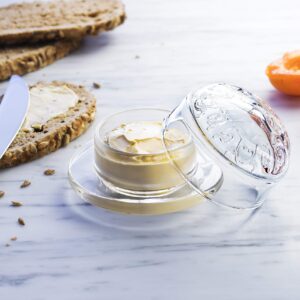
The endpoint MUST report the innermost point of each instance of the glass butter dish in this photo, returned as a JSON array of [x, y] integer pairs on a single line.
[[221, 143]]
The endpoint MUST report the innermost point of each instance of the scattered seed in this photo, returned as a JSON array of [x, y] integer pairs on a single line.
[[16, 203], [2, 194], [137, 57], [25, 184], [37, 127], [13, 238], [21, 221], [96, 85], [49, 172], [7, 245]]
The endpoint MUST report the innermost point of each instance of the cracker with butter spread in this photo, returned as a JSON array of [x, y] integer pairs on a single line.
[[63, 111]]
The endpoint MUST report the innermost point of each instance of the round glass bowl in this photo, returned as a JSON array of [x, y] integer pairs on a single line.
[[89, 186], [140, 175]]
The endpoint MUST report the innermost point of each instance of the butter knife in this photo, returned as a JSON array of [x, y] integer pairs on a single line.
[[14, 105]]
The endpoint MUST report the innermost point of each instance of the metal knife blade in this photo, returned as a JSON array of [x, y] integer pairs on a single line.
[[13, 108]]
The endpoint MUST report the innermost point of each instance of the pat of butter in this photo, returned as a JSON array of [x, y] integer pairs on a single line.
[[140, 165], [144, 138], [48, 102]]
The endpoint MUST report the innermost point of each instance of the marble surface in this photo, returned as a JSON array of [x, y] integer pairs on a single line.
[[69, 250]]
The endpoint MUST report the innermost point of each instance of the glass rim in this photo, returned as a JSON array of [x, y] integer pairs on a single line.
[[100, 141]]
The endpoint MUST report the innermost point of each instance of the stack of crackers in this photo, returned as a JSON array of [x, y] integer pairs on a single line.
[[35, 34]]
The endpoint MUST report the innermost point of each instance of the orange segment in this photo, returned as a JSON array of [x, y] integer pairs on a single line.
[[291, 60], [284, 74]]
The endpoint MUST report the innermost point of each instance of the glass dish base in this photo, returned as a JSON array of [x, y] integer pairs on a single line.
[[138, 194], [87, 184]]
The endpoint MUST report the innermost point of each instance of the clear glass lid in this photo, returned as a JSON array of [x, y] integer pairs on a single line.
[[239, 142]]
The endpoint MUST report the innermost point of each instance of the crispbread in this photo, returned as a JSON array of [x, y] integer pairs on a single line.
[[24, 59], [57, 132], [58, 19]]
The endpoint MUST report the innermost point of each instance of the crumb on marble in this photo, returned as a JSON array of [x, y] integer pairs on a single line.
[[21, 221], [25, 183], [13, 238], [16, 203], [49, 172], [2, 194], [96, 85]]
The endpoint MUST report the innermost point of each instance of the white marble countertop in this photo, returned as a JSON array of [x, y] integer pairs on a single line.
[[69, 250]]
